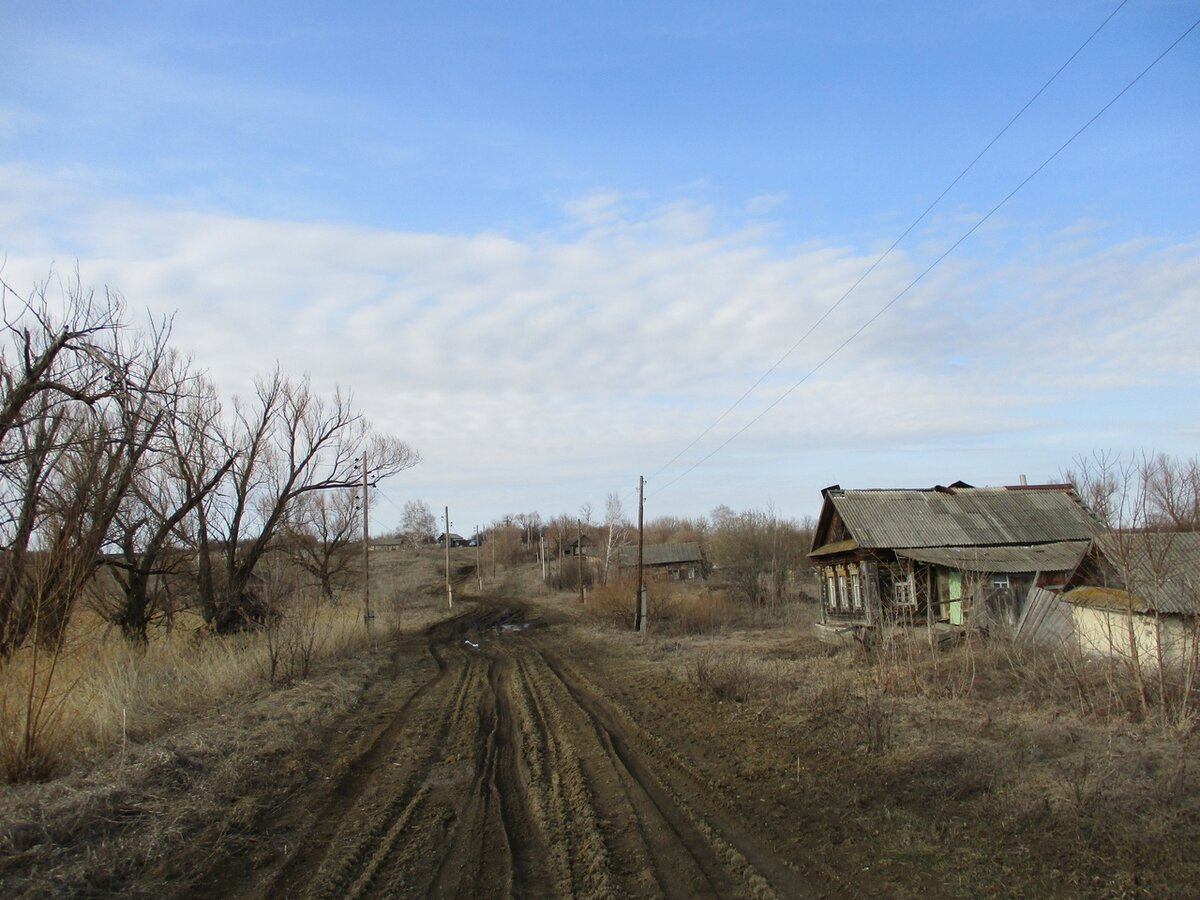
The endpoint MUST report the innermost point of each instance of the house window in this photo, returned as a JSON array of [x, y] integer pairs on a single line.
[[1000, 581], [831, 589], [843, 598], [902, 592], [691, 572], [855, 590]]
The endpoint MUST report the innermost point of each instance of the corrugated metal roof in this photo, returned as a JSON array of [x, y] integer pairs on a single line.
[[662, 554], [1045, 619], [1155, 571], [1060, 556], [960, 517]]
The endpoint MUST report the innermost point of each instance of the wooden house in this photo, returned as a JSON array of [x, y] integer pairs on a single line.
[[666, 562], [582, 545], [953, 555]]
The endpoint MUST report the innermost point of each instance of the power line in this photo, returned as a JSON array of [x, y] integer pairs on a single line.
[[888, 252], [838, 349]]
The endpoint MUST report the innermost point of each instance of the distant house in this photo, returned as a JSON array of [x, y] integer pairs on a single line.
[[953, 555], [1138, 592], [582, 545], [456, 540], [666, 562], [387, 544]]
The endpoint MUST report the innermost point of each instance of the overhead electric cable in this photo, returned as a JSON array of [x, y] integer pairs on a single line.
[[838, 349], [886, 253]]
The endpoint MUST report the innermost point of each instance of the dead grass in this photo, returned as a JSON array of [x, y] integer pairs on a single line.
[[672, 607], [101, 695], [982, 769]]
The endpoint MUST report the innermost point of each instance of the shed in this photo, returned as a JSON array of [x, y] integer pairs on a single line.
[[667, 562], [1137, 594]]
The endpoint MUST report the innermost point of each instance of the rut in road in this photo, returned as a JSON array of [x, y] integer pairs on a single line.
[[507, 772]]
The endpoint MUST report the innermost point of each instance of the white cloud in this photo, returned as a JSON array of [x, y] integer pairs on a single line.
[[604, 346]]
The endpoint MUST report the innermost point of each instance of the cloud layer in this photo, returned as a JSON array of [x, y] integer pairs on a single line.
[[544, 369]]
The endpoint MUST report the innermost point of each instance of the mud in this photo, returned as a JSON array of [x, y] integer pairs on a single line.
[[499, 766]]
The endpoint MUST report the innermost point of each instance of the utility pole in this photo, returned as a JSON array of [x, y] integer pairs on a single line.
[[366, 548], [579, 556], [478, 559], [446, 538], [639, 619]]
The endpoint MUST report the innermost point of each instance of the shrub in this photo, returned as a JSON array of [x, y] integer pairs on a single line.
[[722, 676]]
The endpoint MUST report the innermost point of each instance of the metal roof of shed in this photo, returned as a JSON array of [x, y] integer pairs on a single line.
[[1154, 571], [1166, 603]]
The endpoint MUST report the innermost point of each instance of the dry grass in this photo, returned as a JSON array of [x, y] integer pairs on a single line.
[[672, 607], [99, 695], [981, 769], [104, 694]]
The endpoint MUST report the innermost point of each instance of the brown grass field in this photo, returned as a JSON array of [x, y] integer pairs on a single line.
[[527, 744]]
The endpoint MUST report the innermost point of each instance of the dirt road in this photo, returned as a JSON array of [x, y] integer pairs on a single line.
[[500, 768]]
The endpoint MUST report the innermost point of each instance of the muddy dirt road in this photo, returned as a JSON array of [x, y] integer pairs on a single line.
[[500, 768]]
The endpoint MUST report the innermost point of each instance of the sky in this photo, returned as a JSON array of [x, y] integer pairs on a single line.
[[556, 246]]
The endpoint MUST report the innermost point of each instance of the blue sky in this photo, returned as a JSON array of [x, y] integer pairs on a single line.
[[550, 244]]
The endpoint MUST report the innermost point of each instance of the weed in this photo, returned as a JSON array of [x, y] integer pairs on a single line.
[[722, 676]]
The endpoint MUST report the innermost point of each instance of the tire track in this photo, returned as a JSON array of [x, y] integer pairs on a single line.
[[414, 787], [508, 773], [727, 839], [302, 869], [567, 804]]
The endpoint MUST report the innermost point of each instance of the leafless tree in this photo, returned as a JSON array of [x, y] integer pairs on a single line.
[[290, 442], [81, 408], [757, 553], [149, 530], [614, 533], [319, 530], [418, 524]]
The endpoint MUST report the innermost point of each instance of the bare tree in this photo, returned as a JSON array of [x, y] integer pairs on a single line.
[[418, 524], [614, 533], [290, 442], [149, 529], [81, 408], [757, 552], [319, 530]]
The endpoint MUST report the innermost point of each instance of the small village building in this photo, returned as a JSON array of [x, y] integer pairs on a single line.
[[389, 545], [1137, 594], [456, 540], [582, 545], [667, 562], [955, 555]]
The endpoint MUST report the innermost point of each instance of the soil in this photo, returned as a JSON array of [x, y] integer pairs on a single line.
[[508, 750], [502, 765]]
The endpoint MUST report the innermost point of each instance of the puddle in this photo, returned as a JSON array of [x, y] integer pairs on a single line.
[[471, 644]]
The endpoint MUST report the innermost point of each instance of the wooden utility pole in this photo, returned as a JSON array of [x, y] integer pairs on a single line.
[[579, 556], [446, 538], [366, 548], [478, 559], [639, 617]]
